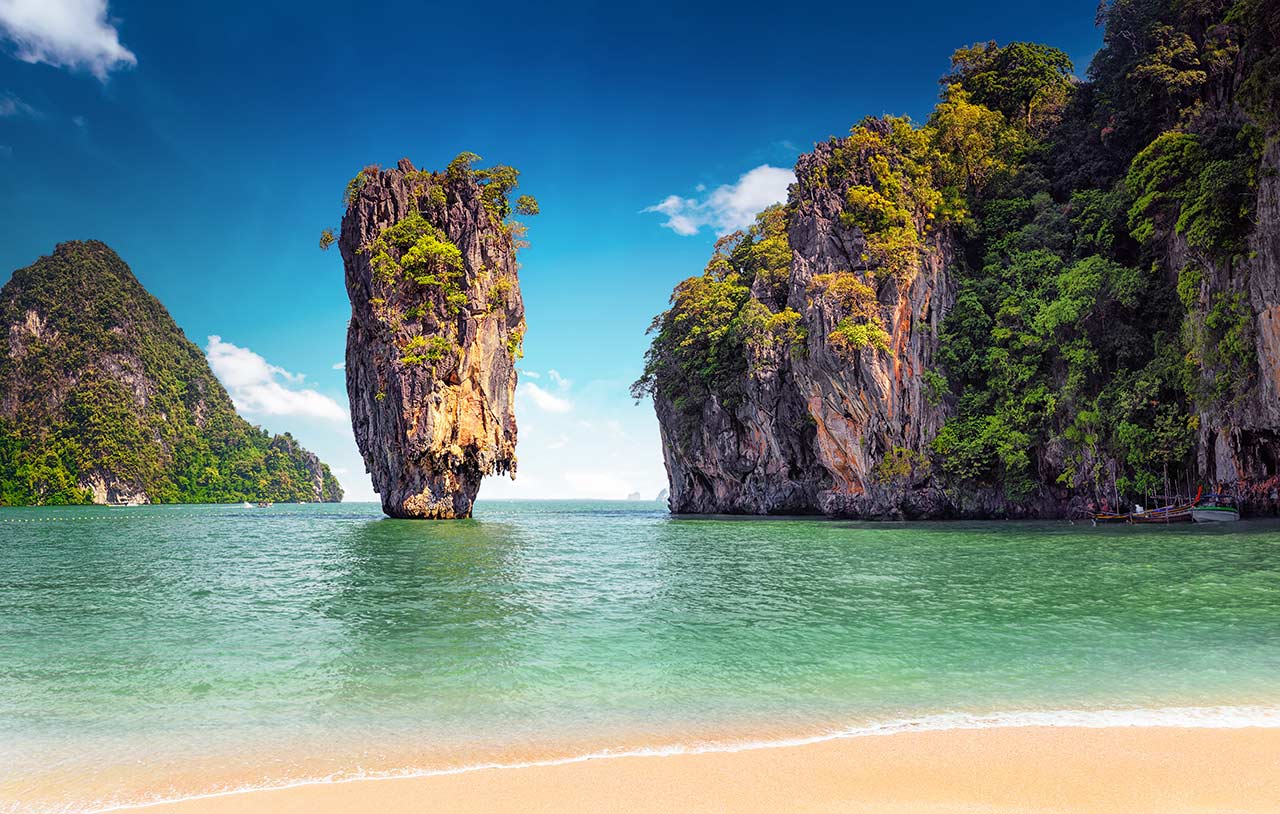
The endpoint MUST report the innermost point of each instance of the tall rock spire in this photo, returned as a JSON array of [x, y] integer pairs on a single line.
[[437, 323]]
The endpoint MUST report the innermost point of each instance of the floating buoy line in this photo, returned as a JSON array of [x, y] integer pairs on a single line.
[[100, 518]]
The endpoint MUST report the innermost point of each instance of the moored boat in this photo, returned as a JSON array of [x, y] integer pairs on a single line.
[[1216, 509], [1101, 518], [1165, 514]]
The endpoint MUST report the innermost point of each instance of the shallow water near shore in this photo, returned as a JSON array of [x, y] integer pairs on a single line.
[[170, 651]]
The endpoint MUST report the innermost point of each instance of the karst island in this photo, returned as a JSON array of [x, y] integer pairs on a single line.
[[880, 414], [437, 324]]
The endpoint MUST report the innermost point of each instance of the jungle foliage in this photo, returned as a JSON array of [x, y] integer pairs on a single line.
[[1073, 342], [1073, 337], [97, 380]]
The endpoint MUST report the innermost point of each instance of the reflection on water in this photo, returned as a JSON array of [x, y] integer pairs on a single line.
[[172, 636]]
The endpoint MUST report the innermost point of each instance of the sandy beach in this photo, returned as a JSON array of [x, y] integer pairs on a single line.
[[1030, 769]]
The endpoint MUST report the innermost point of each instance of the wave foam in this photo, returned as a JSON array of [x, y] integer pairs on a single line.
[[1176, 717]]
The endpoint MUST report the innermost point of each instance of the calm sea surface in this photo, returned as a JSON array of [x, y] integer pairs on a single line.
[[167, 651]]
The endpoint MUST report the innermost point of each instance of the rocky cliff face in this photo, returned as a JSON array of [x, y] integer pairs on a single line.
[[104, 400], [1050, 296], [436, 327], [1239, 442], [818, 415]]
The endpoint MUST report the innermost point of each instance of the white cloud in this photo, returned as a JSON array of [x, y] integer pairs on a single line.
[[674, 207], [339, 365], [727, 207], [74, 34], [561, 381], [11, 105], [545, 399], [606, 447], [257, 386]]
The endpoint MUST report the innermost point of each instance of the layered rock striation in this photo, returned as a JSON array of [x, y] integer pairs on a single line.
[[437, 323]]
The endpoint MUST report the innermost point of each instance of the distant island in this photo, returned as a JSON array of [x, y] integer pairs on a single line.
[[104, 400], [1052, 294]]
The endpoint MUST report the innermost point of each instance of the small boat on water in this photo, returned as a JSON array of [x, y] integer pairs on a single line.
[[265, 504], [1175, 510], [1102, 518], [1165, 514], [1216, 508]]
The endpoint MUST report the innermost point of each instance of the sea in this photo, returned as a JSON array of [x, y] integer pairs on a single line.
[[157, 653]]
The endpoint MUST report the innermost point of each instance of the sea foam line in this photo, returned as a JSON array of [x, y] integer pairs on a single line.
[[1232, 717]]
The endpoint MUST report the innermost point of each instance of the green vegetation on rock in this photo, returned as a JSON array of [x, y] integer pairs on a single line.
[[420, 275], [1093, 230], [101, 386], [1073, 336], [715, 330]]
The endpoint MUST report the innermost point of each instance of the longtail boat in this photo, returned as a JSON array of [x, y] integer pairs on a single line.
[[1101, 518], [1165, 514]]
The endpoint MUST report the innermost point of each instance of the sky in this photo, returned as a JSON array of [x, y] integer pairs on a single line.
[[209, 144]]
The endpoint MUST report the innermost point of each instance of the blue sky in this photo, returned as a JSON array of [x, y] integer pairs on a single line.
[[209, 145]]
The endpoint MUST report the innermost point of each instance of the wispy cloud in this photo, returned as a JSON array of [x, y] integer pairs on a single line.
[[560, 381], [554, 398], [727, 207], [72, 34], [545, 399], [12, 106], [339, 365], [257, 386], [605, 446]]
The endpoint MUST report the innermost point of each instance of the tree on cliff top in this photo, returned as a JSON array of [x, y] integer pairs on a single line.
[[1025, 81]]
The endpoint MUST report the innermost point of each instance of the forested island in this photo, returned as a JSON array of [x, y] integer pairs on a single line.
[[103, 399], [1053, 292]]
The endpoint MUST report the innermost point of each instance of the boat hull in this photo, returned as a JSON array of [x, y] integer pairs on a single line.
[[1172, 514], [1100, 518], [1224, 514]]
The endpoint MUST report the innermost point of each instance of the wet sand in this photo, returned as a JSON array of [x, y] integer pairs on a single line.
[[1032, 770]]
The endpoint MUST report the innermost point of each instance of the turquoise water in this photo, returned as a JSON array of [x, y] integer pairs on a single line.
[[165, 651]]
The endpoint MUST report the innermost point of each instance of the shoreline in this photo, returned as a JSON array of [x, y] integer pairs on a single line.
[[943, 726], [1100, 767]]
